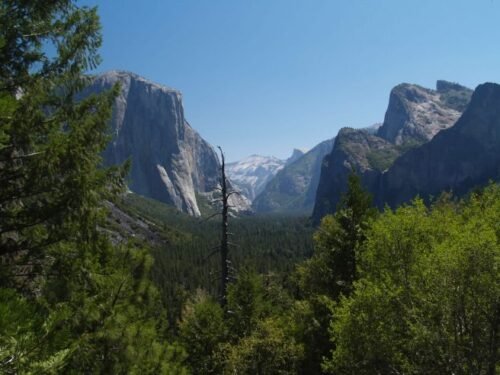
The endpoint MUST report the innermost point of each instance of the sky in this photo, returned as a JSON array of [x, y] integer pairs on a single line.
[[266, 76]]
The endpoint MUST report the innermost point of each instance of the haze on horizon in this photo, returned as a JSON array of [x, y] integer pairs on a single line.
[[264, 77]]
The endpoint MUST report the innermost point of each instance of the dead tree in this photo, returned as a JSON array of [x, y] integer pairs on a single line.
[[224, 243], [223, 247]]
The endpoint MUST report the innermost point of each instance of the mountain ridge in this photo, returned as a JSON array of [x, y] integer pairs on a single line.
[[413, 117]]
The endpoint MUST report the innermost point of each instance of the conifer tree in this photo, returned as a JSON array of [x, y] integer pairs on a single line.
[[71, 301], [331, 271]]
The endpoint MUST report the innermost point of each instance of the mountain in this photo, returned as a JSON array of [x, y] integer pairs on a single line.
[[170, 161], [293, 189], [251, 175], [413, 117], [416, 114], [296, 154], [462, 157]]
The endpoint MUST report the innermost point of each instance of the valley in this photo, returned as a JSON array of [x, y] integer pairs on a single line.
[[130, 245]]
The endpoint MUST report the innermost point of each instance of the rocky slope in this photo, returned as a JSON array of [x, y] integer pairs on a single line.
[[457, 159], [293, 189], [413, 117], [170, 161]]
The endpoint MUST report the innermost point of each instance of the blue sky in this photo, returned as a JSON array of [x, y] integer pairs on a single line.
[[265, 76]]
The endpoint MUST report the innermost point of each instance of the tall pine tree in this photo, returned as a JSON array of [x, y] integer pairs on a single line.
[[70, 300]]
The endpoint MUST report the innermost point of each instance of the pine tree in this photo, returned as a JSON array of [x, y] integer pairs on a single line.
[[82, 304], [331, 271]]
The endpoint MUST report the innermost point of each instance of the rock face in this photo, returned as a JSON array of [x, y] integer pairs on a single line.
[[413, 117], [296, 155], [417, 114], [457, 159], [170, 161], [251, 175], [353, 149], [293, 189]]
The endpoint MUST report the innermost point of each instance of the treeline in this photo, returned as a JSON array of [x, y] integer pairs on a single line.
[[188, 258], [410, 291]]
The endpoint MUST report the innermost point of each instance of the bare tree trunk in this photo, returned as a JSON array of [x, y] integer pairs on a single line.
[[224, 245]]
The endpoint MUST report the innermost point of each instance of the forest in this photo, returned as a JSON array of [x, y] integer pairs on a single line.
[[414, 290]]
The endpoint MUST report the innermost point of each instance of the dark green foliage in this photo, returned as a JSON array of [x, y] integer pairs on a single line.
[[184, 263], [202, 330], [254, 336], [382, 159], [332, 268], [76, 303], [330, 272]]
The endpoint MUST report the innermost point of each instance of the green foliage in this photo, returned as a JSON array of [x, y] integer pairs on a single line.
[[186, 260], [330, 272], [24, 330], [427, 300], [332, 268], [255, 330], [75, 303], [382, 159], [270, 349], [202, 330], [245, 304]]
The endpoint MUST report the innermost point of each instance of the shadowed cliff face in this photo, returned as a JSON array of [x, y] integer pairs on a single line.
[[170, 161], [458, 159], [414, 116], [352, 150]]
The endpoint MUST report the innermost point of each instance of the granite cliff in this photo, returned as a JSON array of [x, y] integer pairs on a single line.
[[171, 162], [458, 159], [414, 116]]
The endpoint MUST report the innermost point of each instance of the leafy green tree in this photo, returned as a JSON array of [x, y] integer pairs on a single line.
[[269, 349], [428, 296]]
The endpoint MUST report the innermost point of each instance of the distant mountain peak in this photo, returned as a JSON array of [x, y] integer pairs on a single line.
[[297, 153], [250, 175], [293, 189]]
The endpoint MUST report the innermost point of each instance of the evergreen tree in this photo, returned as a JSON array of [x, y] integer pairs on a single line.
[[73, 301], [332, 268], [330, 272]]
